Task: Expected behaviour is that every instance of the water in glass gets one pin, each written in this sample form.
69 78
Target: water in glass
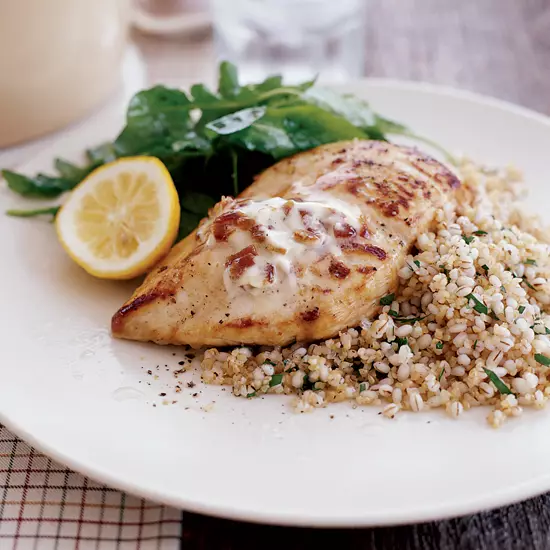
296 38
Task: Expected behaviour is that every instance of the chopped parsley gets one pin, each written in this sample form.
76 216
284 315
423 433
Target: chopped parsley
499 384
269 362
362 387
493 315
276 379
439 345
480 233
249 395
398 319
417 263
401 342
531 262
546 329
542 359
441 375
521 309
475 344
528 284
502 289
485 268
387 300
480 307
468 239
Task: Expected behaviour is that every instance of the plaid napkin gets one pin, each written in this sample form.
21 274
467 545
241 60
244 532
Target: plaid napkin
45 506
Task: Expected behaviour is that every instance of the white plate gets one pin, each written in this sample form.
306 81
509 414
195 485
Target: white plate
85 399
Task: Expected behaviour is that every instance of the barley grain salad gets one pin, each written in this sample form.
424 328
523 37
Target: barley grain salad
468 325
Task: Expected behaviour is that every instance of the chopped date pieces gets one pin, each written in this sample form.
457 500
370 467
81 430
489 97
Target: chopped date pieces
287 207
306 236
227 223
259 233
361 248
269 273
366 269
343 230
339 270
242 260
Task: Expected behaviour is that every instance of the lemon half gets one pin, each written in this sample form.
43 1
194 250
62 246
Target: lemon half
121 219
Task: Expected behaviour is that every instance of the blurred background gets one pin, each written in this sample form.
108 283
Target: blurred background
66 59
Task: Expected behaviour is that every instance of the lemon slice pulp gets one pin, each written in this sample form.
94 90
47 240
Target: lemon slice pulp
121 219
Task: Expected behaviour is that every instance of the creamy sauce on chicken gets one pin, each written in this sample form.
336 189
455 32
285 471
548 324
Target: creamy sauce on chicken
272 236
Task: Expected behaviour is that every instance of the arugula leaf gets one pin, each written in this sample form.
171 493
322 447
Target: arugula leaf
354 110
499 384
156 118
281 132
101 154
202 95
41 186
387 126
188 223
269 84
197 203
49 211
70 171
235 122
228 81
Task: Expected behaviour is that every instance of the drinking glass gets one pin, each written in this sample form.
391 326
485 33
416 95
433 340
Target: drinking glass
296 38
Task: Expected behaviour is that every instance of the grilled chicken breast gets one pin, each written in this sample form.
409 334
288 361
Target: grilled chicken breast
306 251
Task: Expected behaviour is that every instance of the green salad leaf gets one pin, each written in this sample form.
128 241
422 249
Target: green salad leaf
214 142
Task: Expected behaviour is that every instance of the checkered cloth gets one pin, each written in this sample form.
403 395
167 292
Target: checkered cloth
45 506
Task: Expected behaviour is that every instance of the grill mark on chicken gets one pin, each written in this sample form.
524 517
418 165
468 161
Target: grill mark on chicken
310 315
245 322
366 269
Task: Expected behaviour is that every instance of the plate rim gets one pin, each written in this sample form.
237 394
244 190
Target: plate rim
428 513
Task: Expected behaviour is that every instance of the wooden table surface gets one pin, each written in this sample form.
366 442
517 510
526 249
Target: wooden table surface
495 47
